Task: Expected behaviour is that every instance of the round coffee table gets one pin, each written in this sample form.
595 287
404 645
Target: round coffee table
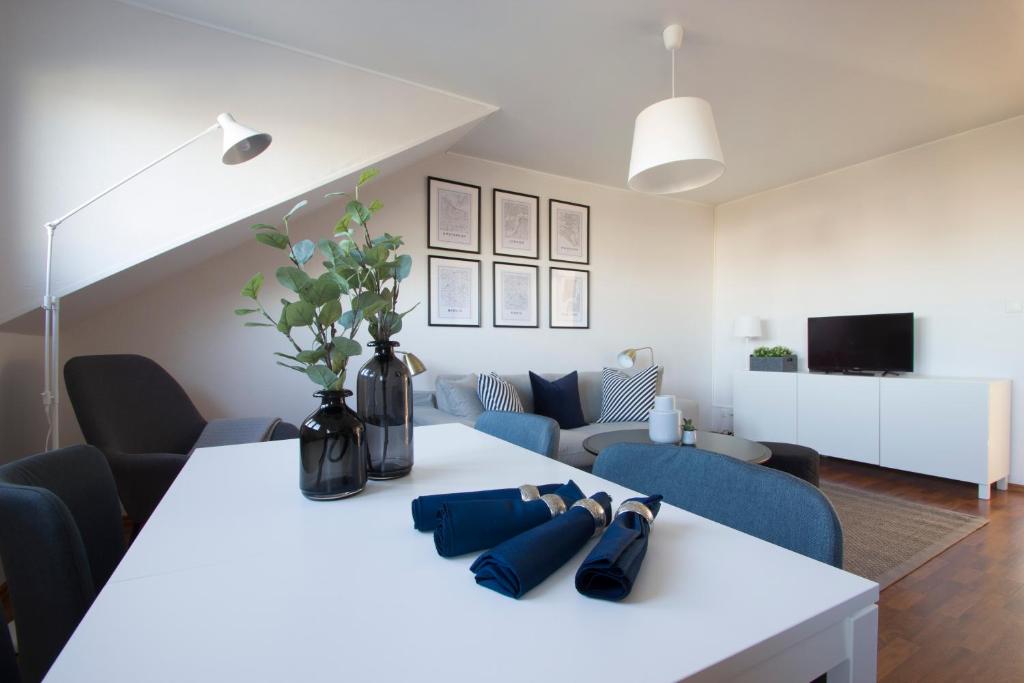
733 446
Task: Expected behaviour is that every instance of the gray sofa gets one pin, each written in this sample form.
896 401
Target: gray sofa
454 399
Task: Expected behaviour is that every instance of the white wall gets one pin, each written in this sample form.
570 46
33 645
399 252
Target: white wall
650 285
937 230
93 89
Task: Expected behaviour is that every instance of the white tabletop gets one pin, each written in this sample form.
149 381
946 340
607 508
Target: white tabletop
238 577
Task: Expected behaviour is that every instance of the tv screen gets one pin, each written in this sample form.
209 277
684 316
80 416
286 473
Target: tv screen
861 342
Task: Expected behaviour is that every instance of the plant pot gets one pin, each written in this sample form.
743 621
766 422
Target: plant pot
332 450
689 437
384 388
773 363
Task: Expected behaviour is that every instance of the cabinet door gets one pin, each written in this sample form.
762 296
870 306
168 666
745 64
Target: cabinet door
764 406
838 415
937 427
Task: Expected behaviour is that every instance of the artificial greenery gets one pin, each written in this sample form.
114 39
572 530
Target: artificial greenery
688 425
772 352
364 276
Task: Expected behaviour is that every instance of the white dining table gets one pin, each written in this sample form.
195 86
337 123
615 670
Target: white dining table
238 577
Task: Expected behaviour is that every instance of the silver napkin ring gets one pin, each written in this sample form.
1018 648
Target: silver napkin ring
637 507
529 492
555 504
596 511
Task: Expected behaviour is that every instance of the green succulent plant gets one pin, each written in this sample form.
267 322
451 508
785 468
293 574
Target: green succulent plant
772 352
688 425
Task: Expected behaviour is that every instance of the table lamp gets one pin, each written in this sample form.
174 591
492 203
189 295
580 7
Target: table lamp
627 358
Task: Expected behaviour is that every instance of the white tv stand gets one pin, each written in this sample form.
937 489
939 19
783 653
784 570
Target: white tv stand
952 428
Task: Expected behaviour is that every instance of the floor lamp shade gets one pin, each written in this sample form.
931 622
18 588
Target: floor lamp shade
675 147
240 142
747 326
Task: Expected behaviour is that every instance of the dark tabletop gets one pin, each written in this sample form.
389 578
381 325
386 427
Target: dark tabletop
733 446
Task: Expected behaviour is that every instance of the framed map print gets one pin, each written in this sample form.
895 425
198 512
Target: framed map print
516 295
453 289
569 290
516 224
569 225
453 215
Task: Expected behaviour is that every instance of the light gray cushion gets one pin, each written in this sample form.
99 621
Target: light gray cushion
570 444
456 394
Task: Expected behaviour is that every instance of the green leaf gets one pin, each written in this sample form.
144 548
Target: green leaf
330 249
273 239
310 356
299 314
404 267
358 213
296 368
303 251
335 194
323 289
293 278
285 355
376 205
344 348
282 325
369 303
342 225
264 226
251 290
322 375
252 324
246 311
350 319
295 208
367 175
330 313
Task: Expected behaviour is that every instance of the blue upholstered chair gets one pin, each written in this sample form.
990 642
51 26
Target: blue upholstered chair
771 505
61 537
534 432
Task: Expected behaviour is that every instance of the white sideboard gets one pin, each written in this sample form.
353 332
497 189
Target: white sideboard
952 428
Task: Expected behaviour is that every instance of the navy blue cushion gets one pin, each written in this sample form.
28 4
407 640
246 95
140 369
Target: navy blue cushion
559 400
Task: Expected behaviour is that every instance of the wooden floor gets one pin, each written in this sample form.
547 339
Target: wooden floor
960 617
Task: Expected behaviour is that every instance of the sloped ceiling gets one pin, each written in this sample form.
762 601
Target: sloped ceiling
94 89
799 87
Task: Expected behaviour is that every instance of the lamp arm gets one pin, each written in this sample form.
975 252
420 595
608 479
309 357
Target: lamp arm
51 331
650 350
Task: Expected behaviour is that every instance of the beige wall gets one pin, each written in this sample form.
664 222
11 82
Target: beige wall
22 422
651 261
937 230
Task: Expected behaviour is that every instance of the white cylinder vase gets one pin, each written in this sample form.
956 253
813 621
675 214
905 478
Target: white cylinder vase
664 421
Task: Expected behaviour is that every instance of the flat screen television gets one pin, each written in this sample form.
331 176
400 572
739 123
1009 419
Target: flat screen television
874 343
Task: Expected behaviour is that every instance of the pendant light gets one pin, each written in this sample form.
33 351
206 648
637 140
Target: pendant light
675 142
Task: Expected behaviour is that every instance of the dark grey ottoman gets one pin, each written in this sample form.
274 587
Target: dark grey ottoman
800 461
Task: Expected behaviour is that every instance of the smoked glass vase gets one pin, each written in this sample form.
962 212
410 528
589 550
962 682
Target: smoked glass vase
384 395
332 450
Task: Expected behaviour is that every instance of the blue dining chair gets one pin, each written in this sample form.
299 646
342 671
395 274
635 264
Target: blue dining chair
61 537
771 505
533 432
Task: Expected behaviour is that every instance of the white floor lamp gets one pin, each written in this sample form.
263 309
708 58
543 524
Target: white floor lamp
240 145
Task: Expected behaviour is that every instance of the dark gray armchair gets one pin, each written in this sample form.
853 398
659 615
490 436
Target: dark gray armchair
61 538
139 416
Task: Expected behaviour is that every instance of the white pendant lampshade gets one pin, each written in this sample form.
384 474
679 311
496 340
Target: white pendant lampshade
240 142
675 141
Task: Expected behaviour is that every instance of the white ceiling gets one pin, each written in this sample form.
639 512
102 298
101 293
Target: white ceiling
799 87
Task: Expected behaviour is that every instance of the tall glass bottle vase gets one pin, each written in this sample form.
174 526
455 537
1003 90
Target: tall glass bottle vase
384 394
332 450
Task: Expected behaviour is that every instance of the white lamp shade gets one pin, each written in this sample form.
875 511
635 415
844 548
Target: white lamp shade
675 147
240 142
627 358
747 326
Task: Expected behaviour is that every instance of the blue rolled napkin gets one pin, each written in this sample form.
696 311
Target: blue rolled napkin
465 526
520 563
426 508
611 568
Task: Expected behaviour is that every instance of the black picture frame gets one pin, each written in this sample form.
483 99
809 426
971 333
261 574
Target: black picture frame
552 251
551 299
479 212
494 294
494 224
430 293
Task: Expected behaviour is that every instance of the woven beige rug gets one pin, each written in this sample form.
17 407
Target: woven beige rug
885 538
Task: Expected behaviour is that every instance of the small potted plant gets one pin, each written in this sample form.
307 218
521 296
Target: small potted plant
773 359
689 432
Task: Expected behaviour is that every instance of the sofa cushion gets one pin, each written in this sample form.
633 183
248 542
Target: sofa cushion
456 395
626 398
558 399
498 395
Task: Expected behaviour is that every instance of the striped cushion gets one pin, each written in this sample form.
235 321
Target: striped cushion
625 398
497 394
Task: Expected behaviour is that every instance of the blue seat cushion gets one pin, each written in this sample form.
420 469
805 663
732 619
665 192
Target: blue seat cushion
558 399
